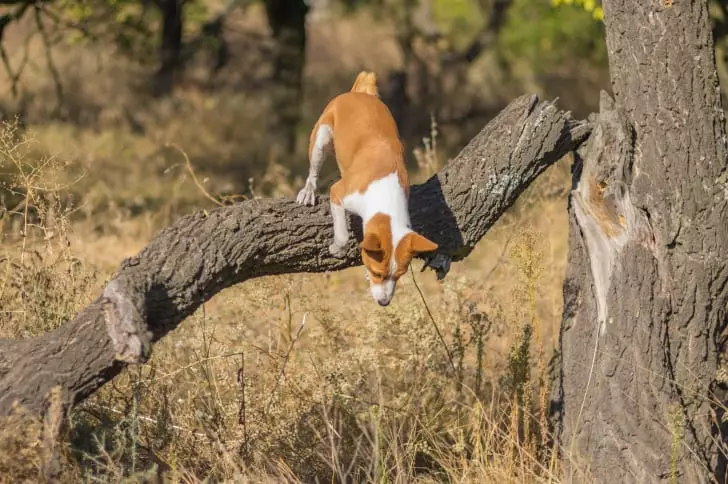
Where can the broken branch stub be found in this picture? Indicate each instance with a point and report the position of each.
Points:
(201, 254)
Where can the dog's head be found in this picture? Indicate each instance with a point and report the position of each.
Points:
(386, 263)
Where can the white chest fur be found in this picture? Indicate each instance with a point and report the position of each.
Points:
(385, 196)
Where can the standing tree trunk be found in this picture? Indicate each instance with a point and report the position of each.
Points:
(170, 49)
(647, 283)
(287, 20)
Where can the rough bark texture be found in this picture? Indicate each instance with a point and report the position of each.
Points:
(201, 254)
(647, 283)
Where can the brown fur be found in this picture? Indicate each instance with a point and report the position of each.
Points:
(366, 82)
(377, 250)
(367, 148)
(366, 142)
(376, 247)
(412, 244)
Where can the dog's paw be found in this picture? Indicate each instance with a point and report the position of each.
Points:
(307, 195)
(338, 251)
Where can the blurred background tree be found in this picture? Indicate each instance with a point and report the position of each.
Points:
(269, 66)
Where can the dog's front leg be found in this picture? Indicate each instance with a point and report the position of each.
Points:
(321, 141)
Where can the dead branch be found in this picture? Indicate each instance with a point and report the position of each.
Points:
(199, 255)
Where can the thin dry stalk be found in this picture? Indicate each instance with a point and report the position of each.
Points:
(285, 362)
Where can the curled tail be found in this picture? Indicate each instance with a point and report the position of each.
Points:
(366, 82)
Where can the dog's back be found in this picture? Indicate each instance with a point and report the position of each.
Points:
(365, 136)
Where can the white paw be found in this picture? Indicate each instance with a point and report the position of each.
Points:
(307, 195)
(338, 251)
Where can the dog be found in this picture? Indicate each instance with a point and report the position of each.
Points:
(358, 128)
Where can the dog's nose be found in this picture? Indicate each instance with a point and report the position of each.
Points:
(384, 303)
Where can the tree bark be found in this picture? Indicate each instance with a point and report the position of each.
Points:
(203, 253)
(647, 282)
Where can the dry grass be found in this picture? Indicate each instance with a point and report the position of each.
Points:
(332, 387)
(292, 378)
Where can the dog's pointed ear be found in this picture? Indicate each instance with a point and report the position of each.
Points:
(419, 244)
(371, 243)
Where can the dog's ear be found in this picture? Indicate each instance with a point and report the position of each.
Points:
(419, 244)
(371, 243)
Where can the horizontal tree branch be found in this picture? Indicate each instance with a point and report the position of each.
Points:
(201, 254)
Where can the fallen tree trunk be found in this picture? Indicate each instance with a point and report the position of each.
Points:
(203, 253)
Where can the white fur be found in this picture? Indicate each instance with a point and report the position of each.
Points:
(341, 230)
(324, 137)
(386, 196)
(383, 292)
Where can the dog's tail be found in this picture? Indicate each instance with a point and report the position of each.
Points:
(366, 82)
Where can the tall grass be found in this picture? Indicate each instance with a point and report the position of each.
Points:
(42, 281)
(290, 378)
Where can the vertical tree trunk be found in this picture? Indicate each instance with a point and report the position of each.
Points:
(647, 283)
(287, 20)
(170, 50)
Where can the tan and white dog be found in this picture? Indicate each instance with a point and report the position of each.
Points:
(373, 185)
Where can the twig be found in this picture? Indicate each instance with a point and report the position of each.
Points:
(501, 258)
(432, 318)
(241, 412)
(285, 361)
(143, 418)
(5, 215)
(194, 177)
(55, 17)
(187, 367)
